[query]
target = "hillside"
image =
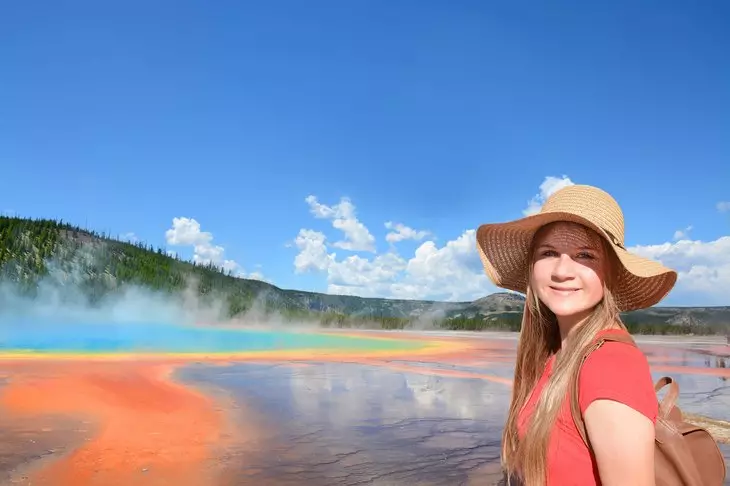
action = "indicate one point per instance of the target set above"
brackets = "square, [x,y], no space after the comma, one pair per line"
[35,251]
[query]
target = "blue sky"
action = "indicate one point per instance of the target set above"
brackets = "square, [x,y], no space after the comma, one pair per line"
[438,116]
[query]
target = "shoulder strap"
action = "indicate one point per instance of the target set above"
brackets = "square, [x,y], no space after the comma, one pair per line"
[621,337]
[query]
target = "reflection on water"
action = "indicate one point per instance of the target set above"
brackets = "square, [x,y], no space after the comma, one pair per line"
[702,394]
[402,423]
[688,359]
[418,420]
[353,424]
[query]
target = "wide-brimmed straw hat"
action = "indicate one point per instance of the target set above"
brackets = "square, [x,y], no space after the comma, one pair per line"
[504,247]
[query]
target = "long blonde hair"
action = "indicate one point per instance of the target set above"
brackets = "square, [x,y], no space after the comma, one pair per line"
[539,339]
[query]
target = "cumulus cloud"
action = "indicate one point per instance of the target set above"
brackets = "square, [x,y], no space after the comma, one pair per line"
[450,272]
[395,277]
[187,232]
[454,272]
[342,215]
[358,271]
[312,252]
[548,187]
[402,232]
[703,267]
[723,206]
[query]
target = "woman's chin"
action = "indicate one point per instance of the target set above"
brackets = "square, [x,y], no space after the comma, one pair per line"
[571,310]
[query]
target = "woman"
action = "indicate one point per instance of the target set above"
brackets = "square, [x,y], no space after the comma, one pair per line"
[571,263]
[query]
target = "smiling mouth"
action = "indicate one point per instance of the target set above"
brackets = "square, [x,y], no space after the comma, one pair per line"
[563,291]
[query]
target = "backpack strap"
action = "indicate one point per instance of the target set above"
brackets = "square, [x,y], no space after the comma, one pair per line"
[667,407]
[621,337]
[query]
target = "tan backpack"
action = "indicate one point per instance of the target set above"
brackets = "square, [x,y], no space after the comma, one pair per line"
[685,454]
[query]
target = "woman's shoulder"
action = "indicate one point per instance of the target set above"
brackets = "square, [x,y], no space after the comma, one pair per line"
[619,355]
[620,372]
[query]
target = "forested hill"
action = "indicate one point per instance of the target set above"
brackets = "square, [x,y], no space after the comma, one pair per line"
[98,265]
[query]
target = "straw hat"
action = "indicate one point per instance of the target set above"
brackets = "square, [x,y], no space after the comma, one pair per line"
[504,247]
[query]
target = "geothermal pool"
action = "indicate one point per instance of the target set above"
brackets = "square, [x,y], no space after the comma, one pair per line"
[158,405]
[61,338]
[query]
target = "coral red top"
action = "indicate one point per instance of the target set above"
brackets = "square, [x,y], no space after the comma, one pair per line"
[615,371]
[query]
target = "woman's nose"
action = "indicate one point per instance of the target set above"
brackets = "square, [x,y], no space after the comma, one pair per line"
[563,268]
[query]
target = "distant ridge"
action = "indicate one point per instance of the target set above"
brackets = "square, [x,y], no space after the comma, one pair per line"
[33,249]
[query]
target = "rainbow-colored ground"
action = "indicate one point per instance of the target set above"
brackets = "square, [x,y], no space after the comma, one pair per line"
[119,378]
[114,396]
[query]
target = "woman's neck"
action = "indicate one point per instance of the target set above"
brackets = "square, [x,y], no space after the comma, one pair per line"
[569,324]
[566,324]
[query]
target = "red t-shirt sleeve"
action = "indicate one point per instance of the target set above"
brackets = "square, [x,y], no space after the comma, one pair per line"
[619,372]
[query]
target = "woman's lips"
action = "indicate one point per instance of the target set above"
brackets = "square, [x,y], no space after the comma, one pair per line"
[564,290]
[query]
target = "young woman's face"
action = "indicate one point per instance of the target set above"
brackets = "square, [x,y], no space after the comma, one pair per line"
[569,269]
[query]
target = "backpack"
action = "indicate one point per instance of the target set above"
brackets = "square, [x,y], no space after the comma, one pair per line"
[685,454]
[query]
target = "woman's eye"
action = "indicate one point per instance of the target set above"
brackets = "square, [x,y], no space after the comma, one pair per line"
[586,255]
[549,253]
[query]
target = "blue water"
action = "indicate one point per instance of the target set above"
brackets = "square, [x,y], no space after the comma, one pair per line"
[37,336]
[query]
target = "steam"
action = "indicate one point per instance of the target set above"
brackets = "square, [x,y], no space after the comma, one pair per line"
[78,287]
[64,295]
[428,320]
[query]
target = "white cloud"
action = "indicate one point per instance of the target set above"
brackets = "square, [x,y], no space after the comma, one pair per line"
[312,252]
[723,206]
[682,234]
[548,187]
[187,232]
[453,271]
[357,236]
[703,267]
[402,232]
[361,272]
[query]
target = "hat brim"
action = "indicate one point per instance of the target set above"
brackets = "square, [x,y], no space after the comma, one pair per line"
[504,250]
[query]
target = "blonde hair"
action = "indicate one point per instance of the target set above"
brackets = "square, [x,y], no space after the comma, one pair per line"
[539,339]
